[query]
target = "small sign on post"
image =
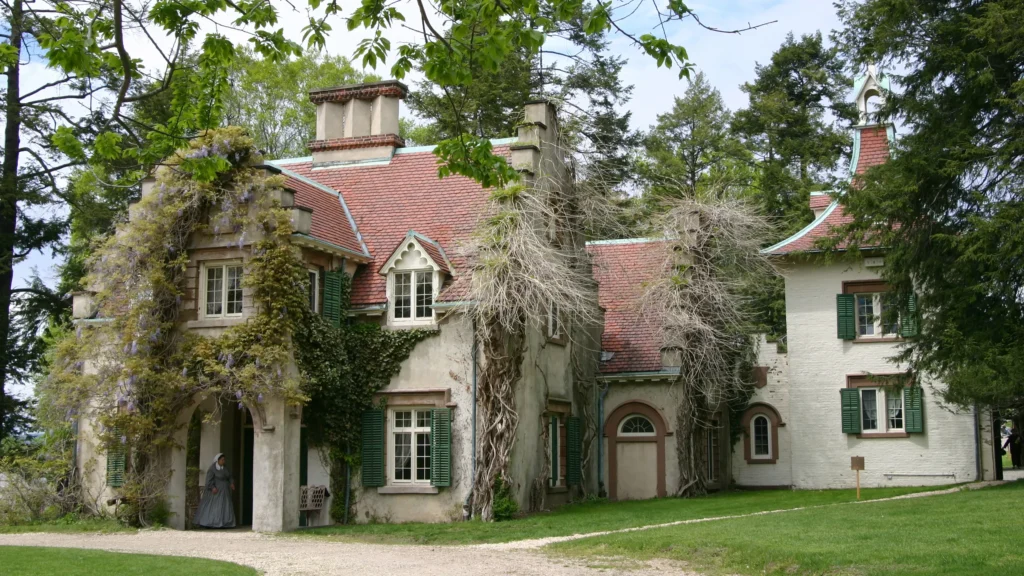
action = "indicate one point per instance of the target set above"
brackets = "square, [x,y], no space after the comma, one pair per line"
[857,463]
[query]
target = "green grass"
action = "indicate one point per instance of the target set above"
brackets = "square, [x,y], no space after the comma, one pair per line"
[84,525]
[17,560]
[598,516]
[971,532]
[1007,462]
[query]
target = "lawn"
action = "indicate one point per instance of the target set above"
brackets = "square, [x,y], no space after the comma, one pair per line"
[971,532]
[17,560]
[83,525]
[598,516]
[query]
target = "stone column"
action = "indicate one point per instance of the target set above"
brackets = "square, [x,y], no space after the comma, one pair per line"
[275,482]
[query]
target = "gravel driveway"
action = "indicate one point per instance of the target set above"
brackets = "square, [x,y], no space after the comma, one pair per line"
[281,555]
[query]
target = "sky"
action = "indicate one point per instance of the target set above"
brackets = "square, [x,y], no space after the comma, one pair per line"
[727,60]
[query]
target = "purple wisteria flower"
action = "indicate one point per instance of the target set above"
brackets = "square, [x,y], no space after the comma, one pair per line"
[238,394]
[259,398]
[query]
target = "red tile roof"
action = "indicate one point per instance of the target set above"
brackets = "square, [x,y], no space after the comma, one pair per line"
[331,222]
[871,148]
[622,268]
[389,200]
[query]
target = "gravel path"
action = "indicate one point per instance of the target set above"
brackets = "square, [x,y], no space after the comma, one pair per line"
[282,555]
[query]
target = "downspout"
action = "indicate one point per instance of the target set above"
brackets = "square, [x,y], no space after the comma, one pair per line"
[977,444]
[600,439]
[467,506]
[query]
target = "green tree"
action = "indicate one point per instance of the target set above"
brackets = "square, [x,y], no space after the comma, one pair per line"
[795,126]
[949,204]
[271,99]
[692,146]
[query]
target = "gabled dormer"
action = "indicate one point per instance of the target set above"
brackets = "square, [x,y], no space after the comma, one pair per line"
[416,271]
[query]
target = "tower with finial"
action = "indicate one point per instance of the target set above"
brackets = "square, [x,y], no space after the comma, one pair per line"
[871,137]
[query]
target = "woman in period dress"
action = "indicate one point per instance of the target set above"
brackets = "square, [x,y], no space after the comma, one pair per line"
[215,508]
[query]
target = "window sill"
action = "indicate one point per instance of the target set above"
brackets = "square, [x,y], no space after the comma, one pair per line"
[558,341]
[761,460]
[876,340]
[215,322]
[883,435]
[407,490]
[557,489]
[432,325]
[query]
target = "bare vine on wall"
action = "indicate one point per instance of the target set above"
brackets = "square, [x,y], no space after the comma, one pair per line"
[712,262]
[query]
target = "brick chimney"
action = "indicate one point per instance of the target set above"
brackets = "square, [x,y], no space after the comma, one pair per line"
[356,123]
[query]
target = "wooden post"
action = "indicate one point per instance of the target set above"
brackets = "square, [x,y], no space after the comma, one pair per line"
[857,463]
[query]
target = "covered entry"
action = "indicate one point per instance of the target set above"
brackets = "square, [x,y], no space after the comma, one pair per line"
[635,433]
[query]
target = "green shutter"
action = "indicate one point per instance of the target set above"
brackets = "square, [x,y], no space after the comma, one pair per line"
[373,448]
[115,462]
[913,410]
[850,400]
[845,311]
[574,449]
[553,431]
[908,317]
[332,297]
[441,447]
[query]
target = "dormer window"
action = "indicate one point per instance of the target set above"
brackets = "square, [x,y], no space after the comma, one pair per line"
[413,296]
[415,271]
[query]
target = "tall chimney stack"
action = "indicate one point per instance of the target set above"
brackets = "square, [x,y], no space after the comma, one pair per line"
[356,123]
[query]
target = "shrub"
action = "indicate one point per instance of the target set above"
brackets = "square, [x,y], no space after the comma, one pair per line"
[504,505]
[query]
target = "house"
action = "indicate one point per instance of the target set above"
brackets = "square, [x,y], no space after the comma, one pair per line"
[822,400]
[366,206]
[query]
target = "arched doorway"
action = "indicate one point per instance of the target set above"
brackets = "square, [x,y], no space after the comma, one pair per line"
[210,426]
[636,452]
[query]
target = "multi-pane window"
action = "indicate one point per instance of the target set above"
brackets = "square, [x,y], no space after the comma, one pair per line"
[424,294]
[413,295]
[223,292]
[554,322]
[870,316]
[761,432]
[556,439]
[410,443]
[636,425]
[314,289]
[881,411]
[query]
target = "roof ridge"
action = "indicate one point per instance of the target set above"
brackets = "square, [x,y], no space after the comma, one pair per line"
[624,241]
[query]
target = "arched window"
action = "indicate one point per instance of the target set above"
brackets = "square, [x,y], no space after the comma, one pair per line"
[636,425]
[761,433]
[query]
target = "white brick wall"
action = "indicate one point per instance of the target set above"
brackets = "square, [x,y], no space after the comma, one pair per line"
[819,363]
[776,393]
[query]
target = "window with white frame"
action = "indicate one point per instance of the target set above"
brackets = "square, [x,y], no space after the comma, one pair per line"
[760,431]
[556,440]
[222,290]
[410,446]
[870,310]
[314,290]
[636,425]
[881,411]
[554,322]
[413,296]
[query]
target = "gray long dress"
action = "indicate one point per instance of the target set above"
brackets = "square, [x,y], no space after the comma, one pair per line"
[216,510]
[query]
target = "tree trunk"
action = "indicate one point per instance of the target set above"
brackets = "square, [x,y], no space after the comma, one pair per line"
[9,197]
[691,442]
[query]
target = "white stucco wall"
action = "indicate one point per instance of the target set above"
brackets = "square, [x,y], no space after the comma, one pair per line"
[438,362]
[777,395]
[819,363]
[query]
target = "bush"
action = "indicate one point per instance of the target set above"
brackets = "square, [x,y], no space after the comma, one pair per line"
[504,506]
[35,479]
